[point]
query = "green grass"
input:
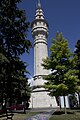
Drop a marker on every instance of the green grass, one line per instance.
(71, 115)
(21, 116)
(58, 115)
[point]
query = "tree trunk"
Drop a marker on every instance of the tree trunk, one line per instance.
(79, 99)
(24, 107)
(2, 100)
(65, 105)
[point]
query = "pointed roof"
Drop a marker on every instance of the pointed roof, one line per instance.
(39, 16)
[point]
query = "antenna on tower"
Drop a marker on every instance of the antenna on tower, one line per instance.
(39, 4)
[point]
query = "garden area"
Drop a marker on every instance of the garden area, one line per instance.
(71, 115)
(21, 115)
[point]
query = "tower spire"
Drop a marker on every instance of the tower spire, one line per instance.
(39, 4)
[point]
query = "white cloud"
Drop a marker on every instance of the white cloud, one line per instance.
(30, 80)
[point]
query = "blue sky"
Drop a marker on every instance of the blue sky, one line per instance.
(62, 16)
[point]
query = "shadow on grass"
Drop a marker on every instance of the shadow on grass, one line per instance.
(62, 112)
(76, 109)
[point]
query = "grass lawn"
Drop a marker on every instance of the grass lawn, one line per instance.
(58, 115)
(21, 116)
(71, 115)
(18, 116)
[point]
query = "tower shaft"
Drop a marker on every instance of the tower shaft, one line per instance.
(40, 97)
(40, 33)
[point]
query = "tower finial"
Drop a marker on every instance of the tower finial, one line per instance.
(39, 4)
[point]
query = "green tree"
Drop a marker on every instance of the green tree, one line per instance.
(3, 62)
(17, 82)
(13, 43)
(77, 52)
(63, 79)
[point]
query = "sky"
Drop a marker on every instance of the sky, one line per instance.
(61, 15)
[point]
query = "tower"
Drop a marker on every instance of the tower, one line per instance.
(39, 96)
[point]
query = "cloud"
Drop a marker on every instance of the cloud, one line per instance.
(30, 80)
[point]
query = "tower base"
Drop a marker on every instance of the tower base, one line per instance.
(40, 99)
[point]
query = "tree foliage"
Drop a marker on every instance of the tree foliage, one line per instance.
(77, 52)
(63, 79)
(13, 27)
(13, 43)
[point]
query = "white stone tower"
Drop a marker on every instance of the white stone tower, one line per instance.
(39, 96)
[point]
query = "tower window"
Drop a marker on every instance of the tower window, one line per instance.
(39, 16)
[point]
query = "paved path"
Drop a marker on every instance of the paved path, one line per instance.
(41, 116)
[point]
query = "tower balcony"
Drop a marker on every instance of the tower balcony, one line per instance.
(40, 22)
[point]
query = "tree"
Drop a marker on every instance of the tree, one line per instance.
(13, 27)
(63, 79)
(17, 83)
(13, 43)
(77, 52)
(3, 62)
